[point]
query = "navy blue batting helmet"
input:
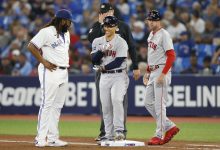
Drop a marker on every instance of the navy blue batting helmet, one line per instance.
(64, 14)
(154, 15)
(110, 21)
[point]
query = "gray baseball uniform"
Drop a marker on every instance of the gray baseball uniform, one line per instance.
(156, 95)
(113, 84)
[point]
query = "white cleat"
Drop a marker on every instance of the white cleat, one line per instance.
(40, 143)
(57, 143)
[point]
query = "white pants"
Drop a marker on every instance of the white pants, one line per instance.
(113, 88)
(54, 89)
(155, 101)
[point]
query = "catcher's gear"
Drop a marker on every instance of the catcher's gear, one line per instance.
(154, 15)
(110, 21)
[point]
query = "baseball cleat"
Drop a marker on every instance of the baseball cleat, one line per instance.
(40, 143)
(170, 134)
(119, 136)
(155, 141)
(57, 143)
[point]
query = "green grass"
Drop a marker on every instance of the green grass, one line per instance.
(207, 132)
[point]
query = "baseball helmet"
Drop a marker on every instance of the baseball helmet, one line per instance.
(110, 21)
(64, 14)
(154, 15)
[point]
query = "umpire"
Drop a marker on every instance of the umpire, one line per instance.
(124, 31)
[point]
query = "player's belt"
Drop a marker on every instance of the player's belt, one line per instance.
(113, 71)
(63, 68)
(154, 67)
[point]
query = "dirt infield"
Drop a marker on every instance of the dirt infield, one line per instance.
(26, 143)
(14, 142)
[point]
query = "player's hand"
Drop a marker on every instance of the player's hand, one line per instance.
(146, 78)
(98, 68)
(50, 66)
(136, 74)
(102, 17)
(160, 80)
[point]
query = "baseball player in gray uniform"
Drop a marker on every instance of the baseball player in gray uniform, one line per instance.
(53, 41)
(112, 51)
(161, 56)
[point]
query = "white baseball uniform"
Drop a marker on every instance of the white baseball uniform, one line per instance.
(156, 95)
(53, 84)
(113, 86)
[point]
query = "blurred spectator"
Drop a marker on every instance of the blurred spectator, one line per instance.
(83, 47)
(217, 18)
(175, 28)
(216, 60)
(142, 53)
(209, 33)
(207, 68)
(124, 10)
(138, 32)
(85, 69)
(197, 24)
(142, 66)
(168, 15)
(23, 67)
(185, 17)
(216, 38)
(5, 66)
(194, 68)
(185, 46)
(4, 38)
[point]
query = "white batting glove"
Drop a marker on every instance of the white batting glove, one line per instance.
(98, 68)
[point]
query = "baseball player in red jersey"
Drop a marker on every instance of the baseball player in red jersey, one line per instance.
(161, 56)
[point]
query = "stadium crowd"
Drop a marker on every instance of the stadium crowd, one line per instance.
(193, 25)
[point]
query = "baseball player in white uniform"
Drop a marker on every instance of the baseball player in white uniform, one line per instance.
(109, 54)
(161, 56)
(53, 41)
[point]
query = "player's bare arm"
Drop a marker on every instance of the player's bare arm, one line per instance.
(38, 56)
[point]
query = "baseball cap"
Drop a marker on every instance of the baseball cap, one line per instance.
(154, 15)
(110, 21)
(64, 14)
(105, 7)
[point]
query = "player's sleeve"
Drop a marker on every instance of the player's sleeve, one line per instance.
(95, 53)
(95, 32)
(122, 48)
(167, 42)
(39, 39)
(131, 46)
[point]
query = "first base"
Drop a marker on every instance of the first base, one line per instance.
(122, 143)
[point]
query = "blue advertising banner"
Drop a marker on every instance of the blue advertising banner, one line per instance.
(188, 96)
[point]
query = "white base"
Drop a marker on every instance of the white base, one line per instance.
(122, 143)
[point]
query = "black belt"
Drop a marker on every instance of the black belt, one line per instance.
(63, 68)
(113, 71)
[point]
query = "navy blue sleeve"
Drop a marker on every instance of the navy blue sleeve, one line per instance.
(115, 64)
(96, 57)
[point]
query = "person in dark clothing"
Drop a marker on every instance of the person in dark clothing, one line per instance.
(124, 31)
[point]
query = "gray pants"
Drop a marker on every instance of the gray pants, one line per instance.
(125, 104)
